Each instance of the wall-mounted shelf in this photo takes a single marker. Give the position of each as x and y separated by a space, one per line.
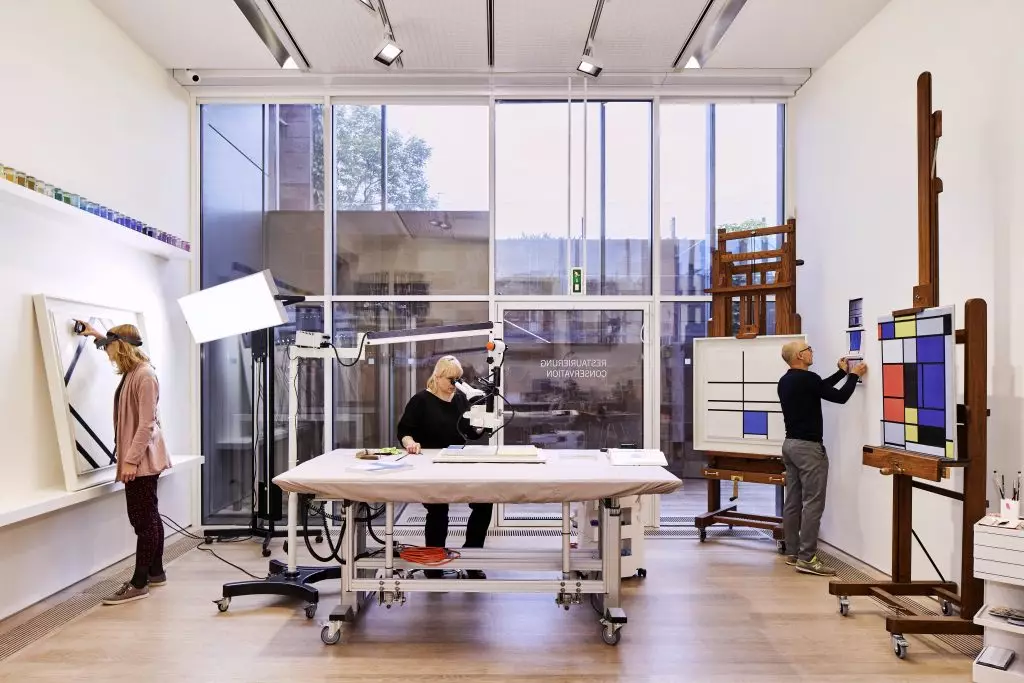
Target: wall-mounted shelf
20 508
16 197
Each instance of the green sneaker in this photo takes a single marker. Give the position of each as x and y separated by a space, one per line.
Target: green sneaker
814 566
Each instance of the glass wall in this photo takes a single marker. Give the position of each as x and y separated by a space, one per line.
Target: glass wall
261 206
412 200
573 190
369 397
407 205
681 323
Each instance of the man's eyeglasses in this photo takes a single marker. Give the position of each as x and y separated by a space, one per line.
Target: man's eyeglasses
807 348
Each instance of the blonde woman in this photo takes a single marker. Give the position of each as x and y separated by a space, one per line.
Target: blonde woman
141 453
433 418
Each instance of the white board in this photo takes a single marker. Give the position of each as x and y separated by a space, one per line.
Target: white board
82 382
736 405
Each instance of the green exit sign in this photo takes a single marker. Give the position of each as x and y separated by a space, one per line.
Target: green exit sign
576 281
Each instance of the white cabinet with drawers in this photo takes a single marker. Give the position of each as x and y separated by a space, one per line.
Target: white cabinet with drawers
999 560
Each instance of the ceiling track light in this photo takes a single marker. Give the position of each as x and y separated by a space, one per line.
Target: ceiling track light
589 66
697 53
389 52
265 20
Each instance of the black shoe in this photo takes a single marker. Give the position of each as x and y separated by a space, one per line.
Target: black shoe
475 574
433 573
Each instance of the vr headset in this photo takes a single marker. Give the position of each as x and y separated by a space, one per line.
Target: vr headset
102 343
111 337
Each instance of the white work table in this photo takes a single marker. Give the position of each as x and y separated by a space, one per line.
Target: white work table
567 476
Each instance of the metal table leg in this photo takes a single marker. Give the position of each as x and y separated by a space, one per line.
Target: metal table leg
614 617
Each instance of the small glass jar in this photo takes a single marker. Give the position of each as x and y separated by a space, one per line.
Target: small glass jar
30 183
10 174
58 194
19 178
67 197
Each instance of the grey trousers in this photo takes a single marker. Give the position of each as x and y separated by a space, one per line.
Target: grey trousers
806 479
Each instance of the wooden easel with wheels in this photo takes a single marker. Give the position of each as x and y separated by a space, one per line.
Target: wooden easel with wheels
749 278
905 466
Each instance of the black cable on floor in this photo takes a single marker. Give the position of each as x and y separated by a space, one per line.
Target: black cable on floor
174 526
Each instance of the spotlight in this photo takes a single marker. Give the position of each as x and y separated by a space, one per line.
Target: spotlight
388 52
589 66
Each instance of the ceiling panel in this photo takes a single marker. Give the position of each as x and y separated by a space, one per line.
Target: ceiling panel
336 35
190 34
541 35
784 34
643 35
440 34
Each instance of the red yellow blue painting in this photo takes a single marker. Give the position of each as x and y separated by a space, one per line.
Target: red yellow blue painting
919 382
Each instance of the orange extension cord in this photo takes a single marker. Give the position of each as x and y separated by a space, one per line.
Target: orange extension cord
434 557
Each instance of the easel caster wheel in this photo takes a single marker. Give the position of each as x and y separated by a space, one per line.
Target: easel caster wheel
703 535
642 573
310 610
284 547
947 608
319 538
611 636
899 646
844 606
223 604
328 638
208 540
266 552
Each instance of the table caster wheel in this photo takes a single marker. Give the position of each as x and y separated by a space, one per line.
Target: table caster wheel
611 636
284 547
703 535
642 573
899 645
319 538
208 540
223 604
310 610
329 638
844 606
266 552
947 608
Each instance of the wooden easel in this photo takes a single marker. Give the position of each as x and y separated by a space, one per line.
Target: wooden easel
972 446
750 278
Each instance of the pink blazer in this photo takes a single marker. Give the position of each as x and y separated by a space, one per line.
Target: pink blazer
140 439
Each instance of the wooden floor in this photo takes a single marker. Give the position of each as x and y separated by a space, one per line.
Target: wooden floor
725 611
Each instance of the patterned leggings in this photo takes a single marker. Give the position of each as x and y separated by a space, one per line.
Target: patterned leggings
144 515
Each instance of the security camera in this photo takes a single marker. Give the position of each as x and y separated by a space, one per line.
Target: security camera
192 76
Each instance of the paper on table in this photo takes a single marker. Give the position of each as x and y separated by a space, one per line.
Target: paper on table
637 456
377 466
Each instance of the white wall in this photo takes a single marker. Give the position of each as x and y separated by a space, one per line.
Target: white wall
854 141
87 110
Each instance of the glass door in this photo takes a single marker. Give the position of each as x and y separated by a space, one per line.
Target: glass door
575 376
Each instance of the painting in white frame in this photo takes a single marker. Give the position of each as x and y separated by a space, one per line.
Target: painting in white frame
82 382
736 406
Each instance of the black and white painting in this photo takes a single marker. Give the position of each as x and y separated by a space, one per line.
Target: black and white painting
82 382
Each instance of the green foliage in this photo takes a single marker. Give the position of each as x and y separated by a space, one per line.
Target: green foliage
749 224
358 164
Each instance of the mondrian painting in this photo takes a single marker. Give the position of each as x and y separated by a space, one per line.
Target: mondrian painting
919 382
736 399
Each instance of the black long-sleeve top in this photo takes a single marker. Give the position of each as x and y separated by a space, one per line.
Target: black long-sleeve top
435 422
801 392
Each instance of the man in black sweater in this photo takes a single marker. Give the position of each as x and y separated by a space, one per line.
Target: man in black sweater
803 452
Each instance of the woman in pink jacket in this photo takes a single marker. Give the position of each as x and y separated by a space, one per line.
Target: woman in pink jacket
141 454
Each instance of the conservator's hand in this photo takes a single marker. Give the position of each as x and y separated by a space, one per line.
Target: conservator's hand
861 369
412 447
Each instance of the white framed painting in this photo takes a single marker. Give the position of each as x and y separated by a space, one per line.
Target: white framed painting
736 407
82 382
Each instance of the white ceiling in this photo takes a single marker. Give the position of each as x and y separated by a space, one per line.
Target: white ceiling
186 34
780 34
340 36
